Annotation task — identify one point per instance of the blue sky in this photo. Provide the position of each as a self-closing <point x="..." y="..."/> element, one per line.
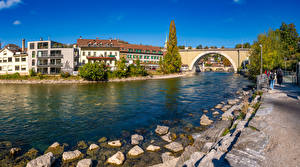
<point x="206" y="22"/>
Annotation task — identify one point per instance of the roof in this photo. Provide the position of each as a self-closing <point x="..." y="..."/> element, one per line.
<point x="124" y="46"/>
<point x="98" y="43"/>
<point x="140" y="47"/>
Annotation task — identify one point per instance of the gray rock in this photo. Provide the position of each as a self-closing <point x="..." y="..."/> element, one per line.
<point x="218" y="106"/>
<point x="174" y="147"/>
<point x="13" y="151"/>
<point x="162" y="130"/>
<point x="84" y="163"/>
<point x="42" y="161"/>
<point x="71" y="155"/>
<point x="117" y="159"/>
<point x="167" y="156"/>
<point x="135" y="139"/>
<point x="54" y="145"/>
<point x="216" y="113"/>
<point x="93" y="147"/>
<point x="153" y="148"/>
<point x="204" y="120"/>
<point x="135" y="151"/>
<point x="167" y="137"/>
<point x="116" y="143"/>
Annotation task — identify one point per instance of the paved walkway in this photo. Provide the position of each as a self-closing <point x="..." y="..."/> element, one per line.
<point x="274" y="137"/>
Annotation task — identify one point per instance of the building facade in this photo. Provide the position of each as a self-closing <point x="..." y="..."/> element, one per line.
<point x="13" y="60"/>
<point x="49" y="57"/>
<point x="149" y="56"/>
<point x="95" y="50"/>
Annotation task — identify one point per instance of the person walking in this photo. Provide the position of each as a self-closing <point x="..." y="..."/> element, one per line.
<point x="272" y="79"/>
<point x="279" y="76"/>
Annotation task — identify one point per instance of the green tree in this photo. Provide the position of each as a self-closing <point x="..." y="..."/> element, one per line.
<point x="289" y="38"/>
<point x="238" y="46"/>
<point x="94" y="71"/>
<point x="199" y="47"/>
<point x="121" y="68"/>
<point x="172" y="60"/>
<point x="181" y="47"/>
<point x="136" y="69"/>
<point x="272" y="53"/>
<point x="247" y="45"/>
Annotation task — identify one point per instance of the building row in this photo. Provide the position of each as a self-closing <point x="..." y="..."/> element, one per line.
<point x="50" y="57"/>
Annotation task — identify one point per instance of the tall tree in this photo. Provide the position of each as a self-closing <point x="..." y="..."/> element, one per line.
<point x="199" y="47"/>
<point x="289" y="38"/>
<point x="172" y="60"/>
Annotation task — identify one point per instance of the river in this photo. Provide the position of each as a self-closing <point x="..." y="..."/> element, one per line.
<point x="38" y="115"/>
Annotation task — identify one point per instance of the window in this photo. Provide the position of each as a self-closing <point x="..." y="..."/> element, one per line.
<point x="83" y="61"/>
<point x="33" y="63"/>
<point x="10" y="59"/>
<point x="89" y="53"/>
<point x="42" y="53"/>
<point x="33" y="54"/>
<point x="23" y="67"/>
<point x="94" y="53"/>
<point x="116" y="53"/>
<point x="0" y="61"/>
<point x="4" y="60"/>
<point x="17" y="59"/>
<point x="31" y="45"/>
<point x="105" y="54"/>
<point x="110" y="53"/>
<point x="23" y="59"/>
<point x="55" y="53"/>
<point x="52" y="61"/>
<point x="43" y="45"/>
<point x="0" y="68"/>
<point x="141" y="56"/>
<point x="17" y="68"/>
<point x="10" y="68"/>
<point x="83" y="53"/>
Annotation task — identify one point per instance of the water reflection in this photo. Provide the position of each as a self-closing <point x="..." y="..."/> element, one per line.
<point x="38" y="115"/>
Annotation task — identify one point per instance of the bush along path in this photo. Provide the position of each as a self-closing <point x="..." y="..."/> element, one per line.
<point x="211" y="147"/>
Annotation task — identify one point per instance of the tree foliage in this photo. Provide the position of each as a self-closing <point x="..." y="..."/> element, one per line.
<point x="244" y="45"/>
<point x="199" y="47"/>
<point x="136" y="69"/>
<point x="172" y="60"/>
<point x="94" y="71"/>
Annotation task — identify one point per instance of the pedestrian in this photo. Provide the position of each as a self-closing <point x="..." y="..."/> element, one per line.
<point x="279" y="76"/>
<point x="272" y="79"/>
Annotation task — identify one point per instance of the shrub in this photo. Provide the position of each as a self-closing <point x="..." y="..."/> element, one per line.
<point x="94" y="71"/>
<point x="121" y="69"/>
<point x="40" y="75"/>
<point x="32" y="72"/>
<point x="65" y="74"/>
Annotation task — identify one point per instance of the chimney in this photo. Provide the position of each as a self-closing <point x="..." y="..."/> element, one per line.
<point x="23" y="45"/>
<point x="80" y="37"/>
<point x="41" y="39"/>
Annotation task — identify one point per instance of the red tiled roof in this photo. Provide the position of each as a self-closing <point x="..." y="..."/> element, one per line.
<point x="101" y="58"/>
<point x="140" y="47"/>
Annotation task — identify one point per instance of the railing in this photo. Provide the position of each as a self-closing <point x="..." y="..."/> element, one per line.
<point x="290" y="77"/>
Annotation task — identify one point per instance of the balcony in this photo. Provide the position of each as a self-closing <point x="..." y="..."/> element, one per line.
<point x="42" y="64"/>
<point x="56" y="56"/>
<point x="56" y="65"/>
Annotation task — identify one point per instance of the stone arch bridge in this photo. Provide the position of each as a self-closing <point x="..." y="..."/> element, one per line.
<point x="191" y="57"/>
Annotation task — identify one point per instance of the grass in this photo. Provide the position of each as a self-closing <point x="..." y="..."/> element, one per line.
<point x="226" y="131"/>
<point x="254" y="128"/>
<point x="241" y="116"/>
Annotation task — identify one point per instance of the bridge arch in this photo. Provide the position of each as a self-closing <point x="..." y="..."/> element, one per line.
<point x="197" y="58"/>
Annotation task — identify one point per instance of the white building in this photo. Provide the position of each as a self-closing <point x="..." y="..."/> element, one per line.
<point x="49" y="57"/>
<point x="13" y="60"/>
<point x="95" y="50"/>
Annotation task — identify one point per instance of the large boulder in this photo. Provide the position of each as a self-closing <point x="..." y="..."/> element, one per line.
<point x="174" y="147"/>
<point x="117" y="159"/>
<point x="204" y="120"/>
<point x="45" y="160"/>
<point x="135" y="151"/>
<point x="162" y="130"/>
<point x="84" y="163"/>
<point x="71" y="155"/>
<point x="135" y="139"/>
<point x="167" y="156"/>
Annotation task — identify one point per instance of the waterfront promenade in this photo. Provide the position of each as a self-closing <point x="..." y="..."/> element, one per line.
<point x="273" y="137"/>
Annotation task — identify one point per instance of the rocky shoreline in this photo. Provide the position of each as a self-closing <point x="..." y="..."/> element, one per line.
<point x="81" y="81"/>
<point x="164" y="148"/>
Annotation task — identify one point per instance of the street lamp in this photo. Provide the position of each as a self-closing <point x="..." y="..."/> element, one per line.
<point x="260" y="59"/>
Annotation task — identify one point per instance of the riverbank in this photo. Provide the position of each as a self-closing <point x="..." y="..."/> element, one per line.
<point x="82" y="81"/>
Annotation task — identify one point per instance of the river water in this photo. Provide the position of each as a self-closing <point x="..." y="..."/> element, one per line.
<point x="38" y="115"/>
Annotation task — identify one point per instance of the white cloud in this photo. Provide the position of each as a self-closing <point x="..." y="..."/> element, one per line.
<point x="16" y="22"/>
<point x="5" y="4"/>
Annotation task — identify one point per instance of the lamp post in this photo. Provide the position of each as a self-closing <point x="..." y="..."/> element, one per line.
<point x="261" y="60"/>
